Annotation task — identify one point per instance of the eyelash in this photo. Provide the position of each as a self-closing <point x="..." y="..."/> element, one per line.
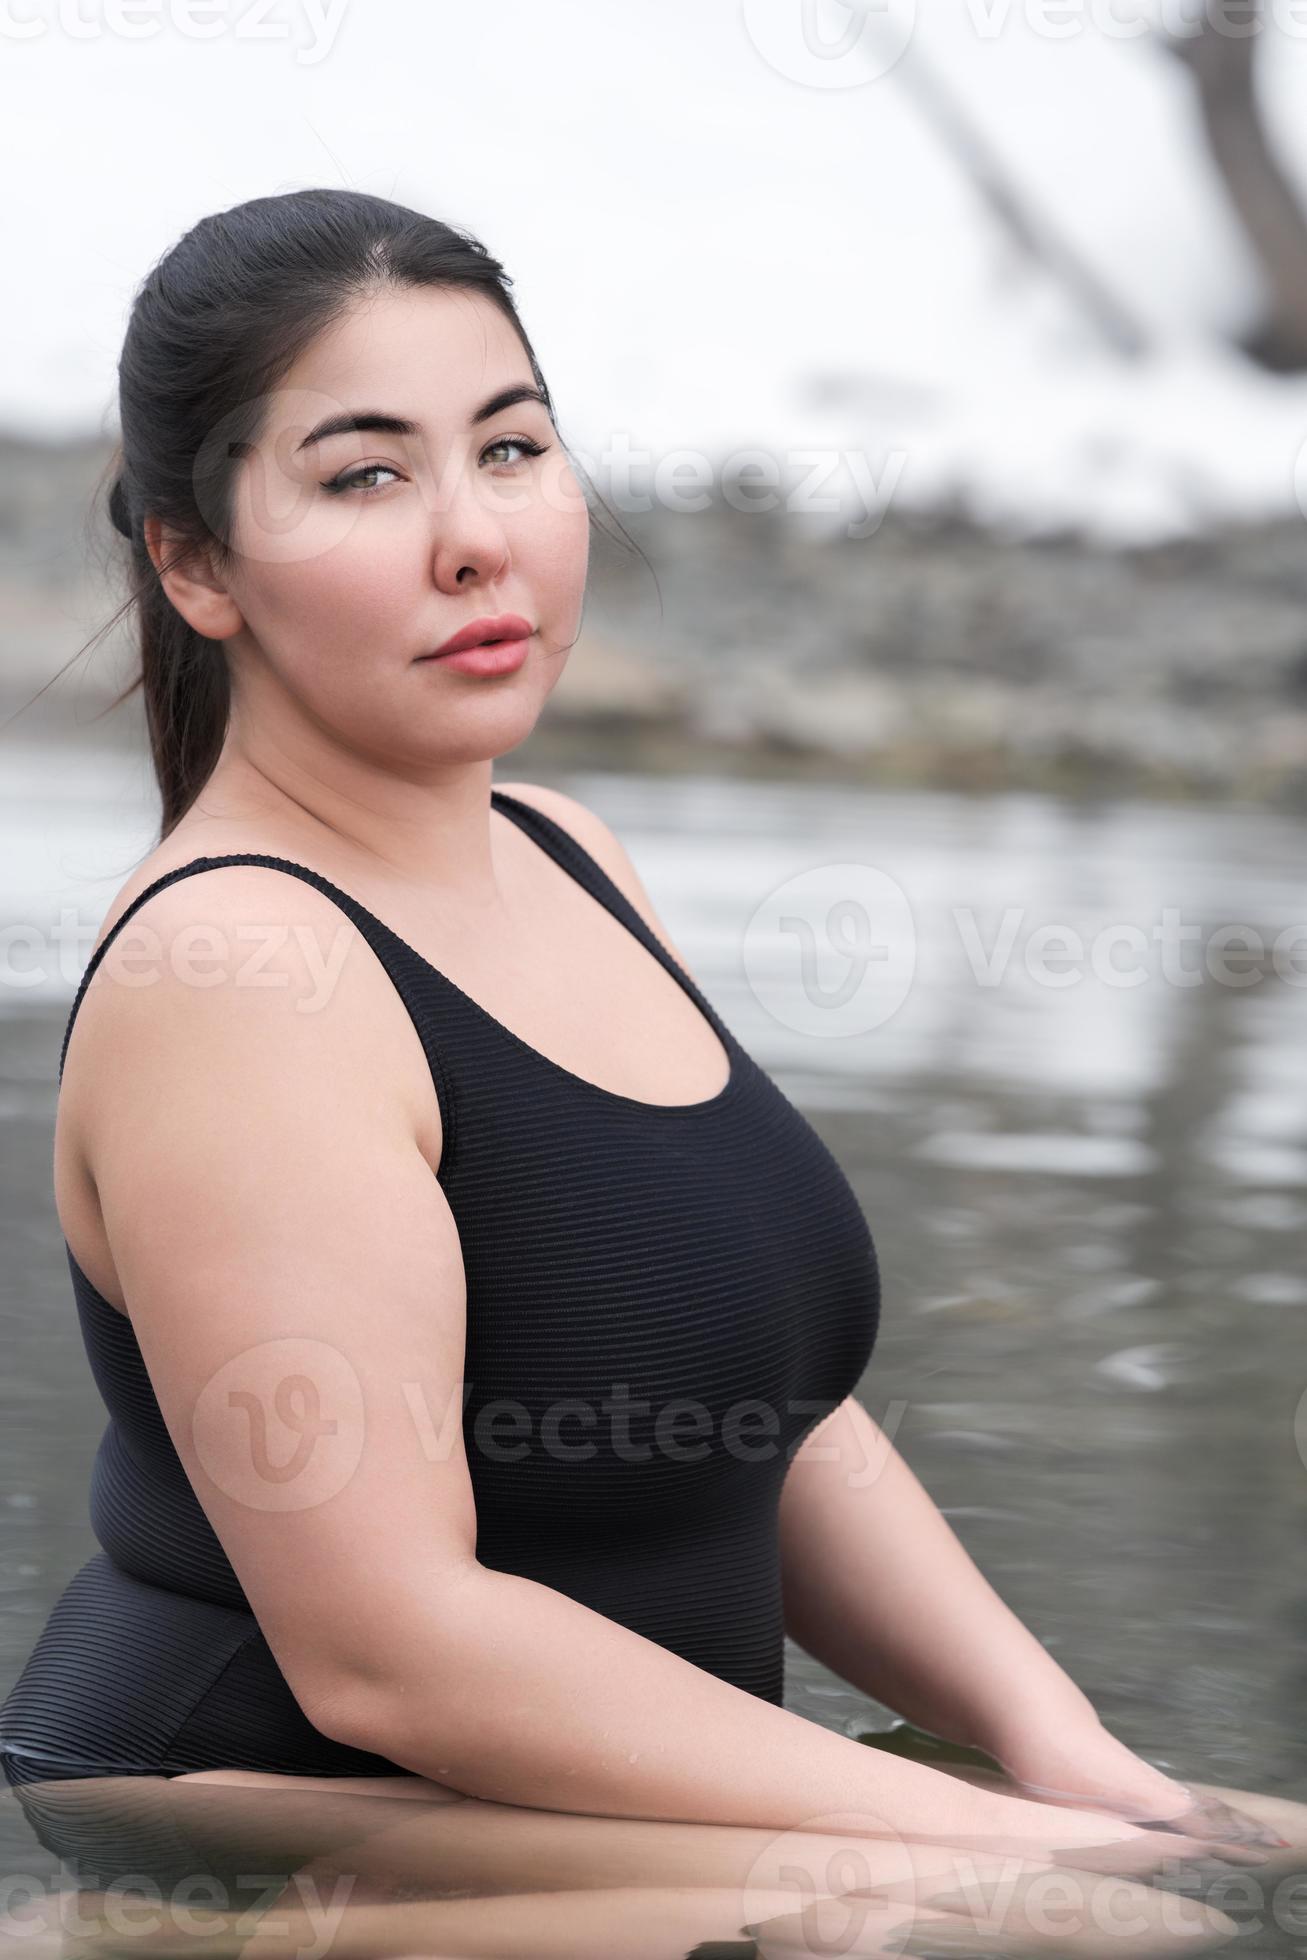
<point x="339" y="484"/>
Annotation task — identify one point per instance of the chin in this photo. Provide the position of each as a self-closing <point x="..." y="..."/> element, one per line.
<point x="484" y="731"/>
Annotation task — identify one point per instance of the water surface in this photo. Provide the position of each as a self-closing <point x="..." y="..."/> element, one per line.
<point x="1089" y="1197"/>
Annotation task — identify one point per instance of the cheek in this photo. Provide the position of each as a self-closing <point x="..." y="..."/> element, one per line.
<point x="344" y="578"/>
<point x="552" y="551"/>
<point x="355" y="581"/>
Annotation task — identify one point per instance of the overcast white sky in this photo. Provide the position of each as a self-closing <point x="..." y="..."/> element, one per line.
<point x="698" y="213"/>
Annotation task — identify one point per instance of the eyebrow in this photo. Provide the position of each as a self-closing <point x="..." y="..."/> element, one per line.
<point x="379" y="422"/>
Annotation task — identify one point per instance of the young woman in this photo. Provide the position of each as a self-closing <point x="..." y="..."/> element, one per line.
<point x="478" y="1322"/>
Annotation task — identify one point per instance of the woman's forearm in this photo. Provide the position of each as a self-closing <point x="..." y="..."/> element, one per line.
<point x="880" y="1589"/>
<point x="513" y="1692"/>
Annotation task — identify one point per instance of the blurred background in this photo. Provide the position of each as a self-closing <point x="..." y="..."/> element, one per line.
<point x="942" y="380"/>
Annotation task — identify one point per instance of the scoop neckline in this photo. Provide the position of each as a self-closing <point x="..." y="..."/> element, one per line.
<point x="706" y="1105"/>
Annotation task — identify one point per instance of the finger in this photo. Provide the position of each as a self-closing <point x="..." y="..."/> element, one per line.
<point x="1205" y="1817"/>
<point x="1153" y="1849"/>
<point x="1211" y="1819"/>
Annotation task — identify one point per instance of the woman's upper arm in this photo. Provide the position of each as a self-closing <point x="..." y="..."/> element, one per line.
<point x="293" y="1274"/>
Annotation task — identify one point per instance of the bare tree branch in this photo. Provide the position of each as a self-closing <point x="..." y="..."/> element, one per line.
<point x="1029" y="230"/>
<point x="1221" y="57"/>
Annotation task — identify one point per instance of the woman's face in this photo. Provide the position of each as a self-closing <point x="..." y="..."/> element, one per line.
<point x="359" y="551"/>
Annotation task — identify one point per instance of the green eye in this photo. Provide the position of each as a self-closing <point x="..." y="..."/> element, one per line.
<point x="517" y="442"/>
<point x="350" y="480"/>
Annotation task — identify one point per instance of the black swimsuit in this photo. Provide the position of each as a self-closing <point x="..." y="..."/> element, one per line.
<point x="666" y="1297"/>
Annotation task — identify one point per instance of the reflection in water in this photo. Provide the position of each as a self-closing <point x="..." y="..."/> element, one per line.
<point x="174" y="1866"/>
<point x="1090" y="1201"/>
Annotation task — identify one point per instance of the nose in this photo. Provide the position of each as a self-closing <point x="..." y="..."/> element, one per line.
<point x="469" y="538"/>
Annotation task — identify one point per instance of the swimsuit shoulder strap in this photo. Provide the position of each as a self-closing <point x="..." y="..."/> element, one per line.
<point x="567" y="851"/>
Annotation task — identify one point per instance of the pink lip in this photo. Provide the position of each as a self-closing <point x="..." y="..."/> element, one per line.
<point x="489" y="657"/>
<point x="504" y="626"/>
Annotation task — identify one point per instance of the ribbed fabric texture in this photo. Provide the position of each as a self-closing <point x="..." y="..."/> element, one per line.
<point x="670" y="1296"/>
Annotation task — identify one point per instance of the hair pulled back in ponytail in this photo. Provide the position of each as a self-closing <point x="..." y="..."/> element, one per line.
<point x="118" y="508"/>
<point x="213" y="327"/>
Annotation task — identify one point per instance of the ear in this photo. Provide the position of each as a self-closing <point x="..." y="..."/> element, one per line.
<point x="191" y="582"/>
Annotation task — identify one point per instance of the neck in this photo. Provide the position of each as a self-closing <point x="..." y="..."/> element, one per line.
<point x="431" y="830"/>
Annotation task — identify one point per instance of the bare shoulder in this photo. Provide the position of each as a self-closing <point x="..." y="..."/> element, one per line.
<point x="240" y="976"/>
<point x="603" y="844"/>
<point x="246" y="935"/>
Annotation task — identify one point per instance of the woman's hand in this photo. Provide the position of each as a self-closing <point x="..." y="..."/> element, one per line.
<point x="1082" y="1764"/>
